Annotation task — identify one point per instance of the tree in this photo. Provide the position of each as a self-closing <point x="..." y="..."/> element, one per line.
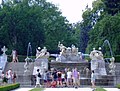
<point x="35" y="21"/>
<point x="112" y="7"/>
<point x="107" y="28"/>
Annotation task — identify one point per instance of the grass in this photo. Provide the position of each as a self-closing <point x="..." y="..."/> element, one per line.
<point x="37" y="89"/>
<point x="100" y="89"/>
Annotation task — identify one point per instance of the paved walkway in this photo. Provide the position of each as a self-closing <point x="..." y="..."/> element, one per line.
<point x="66" y="89"/>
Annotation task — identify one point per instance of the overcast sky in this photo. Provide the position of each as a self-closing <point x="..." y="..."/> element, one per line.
<point x="71" y="9"/>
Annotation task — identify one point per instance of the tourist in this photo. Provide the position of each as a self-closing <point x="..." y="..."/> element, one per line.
<point x="93" y="79"/>
<point x="38" y="76"/>
<point x="14" y="56"/>
<point x="49" y="78"/>
<point x="59" y="80"/>
<point x="14" y="77"/>
<point x="9" y="76"/>
<point x="54" y="75"/>
<point x="53" y="84"/>
<point x="76" y="76"/>
<point x="63" y="78"/>
<point x="45" y="78"/>
<point x="69" y="78"/>
<point x="4" y="78"/>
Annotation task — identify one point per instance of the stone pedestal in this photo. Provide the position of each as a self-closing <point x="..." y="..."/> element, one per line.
<point x="41" y="64"/>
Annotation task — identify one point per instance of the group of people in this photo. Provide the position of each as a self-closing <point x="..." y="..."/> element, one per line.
<point x="8" y="77"/>
<point x="64" y="78"/>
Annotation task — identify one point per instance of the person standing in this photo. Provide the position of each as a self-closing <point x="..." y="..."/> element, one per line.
<point x="76" y="76"/>
<point x="14" y="77"/>
<point x="93" y="79"/>
<point x="69" y="78"/>
<point x="59" y="79"/>
<point x="9" y="75"/>
<point x="38" y="76"/>
<point x="14" y="56"/>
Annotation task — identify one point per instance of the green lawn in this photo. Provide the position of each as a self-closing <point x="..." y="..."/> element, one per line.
<point x="37" y="89"/>
<point x="100" y="89"/>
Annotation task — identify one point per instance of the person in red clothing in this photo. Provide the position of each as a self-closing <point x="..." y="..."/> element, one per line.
<point x="53" y="84"/>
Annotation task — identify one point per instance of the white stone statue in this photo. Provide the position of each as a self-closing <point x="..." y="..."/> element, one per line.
<point x="42" y="53"/>
<point x="112" y="66"/>
<point x="62" y="49"/>
<point x="74" y="50"/>
<point x="97" y="62"/>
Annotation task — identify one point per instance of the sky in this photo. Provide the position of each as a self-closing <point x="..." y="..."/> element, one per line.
<point x="71" y="9"/>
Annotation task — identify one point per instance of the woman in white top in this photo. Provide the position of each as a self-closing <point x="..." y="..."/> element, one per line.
<point x="69" y="78"/>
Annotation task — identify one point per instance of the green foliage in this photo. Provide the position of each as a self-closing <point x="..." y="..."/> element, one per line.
<point x="35" y="21"/>
<point x="37" y="89"/>
<point x="9" y="87"/>
<point x="112" y="7"/>
<point x="117" y="58"/>
<point x="90" y="17"/>
<point x="118" y="86"/>
<point x="107" y="28"/>
<point x="100" y="89"/>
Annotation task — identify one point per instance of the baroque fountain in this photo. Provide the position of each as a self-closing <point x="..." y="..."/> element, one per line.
<point x="68" y="54"/>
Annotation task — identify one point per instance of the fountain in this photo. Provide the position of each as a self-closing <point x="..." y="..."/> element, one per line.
<point x="97" y="63"/>
<point x="108" y="43"/>
<point x="68" y="54"/>
<point x="41" y="61"/>
<point x="28" y="58"/>
<point x="112" y="65"/>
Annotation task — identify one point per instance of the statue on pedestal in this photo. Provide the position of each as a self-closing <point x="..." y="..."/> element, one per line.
<point x="68" y="54"/>
<point x="42" y="53"/>
<point x="62" y="49"/>
<point x="112" y="66"/>
<point x="97" y="62"/>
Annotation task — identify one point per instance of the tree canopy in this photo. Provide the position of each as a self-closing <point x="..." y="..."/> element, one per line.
<point x="35" y="21"/>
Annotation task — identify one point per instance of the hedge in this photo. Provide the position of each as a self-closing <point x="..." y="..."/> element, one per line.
<point x="9" y="87"/>
<point x="118" y="86"/>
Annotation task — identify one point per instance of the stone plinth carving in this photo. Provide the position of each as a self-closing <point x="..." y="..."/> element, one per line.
<point x="97" y="63"/>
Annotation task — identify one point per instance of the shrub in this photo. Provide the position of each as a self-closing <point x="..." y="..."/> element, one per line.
<point x="9" y="87"/>
<point x="118" y="86"/>
<point x="117" y="58"/>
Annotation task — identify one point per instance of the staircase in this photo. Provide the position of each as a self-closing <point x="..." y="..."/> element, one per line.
<point x="24" y="80"/>
<point x="29" y="80"/>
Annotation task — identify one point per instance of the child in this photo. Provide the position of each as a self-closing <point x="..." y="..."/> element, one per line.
<point x="53" y="84"/>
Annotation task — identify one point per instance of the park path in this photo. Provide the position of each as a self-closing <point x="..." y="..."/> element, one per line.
<point x="66" y="89"/>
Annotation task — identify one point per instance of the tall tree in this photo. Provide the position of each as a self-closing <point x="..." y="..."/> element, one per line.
<point x="112" y="7"/>
<point x="35" y="21"/>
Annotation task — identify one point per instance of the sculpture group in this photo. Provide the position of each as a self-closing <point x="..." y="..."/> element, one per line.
<point x="97" y="62"/>
<point x="68" y="53"/>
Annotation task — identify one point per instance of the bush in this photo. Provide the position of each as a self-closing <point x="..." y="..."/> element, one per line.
<point x="9" y="87"/>
<point x="118" y="86"/>
<point x="117" y="58"/>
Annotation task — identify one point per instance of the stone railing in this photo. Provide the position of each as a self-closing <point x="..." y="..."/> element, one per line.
<point x="3" y="61"/>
